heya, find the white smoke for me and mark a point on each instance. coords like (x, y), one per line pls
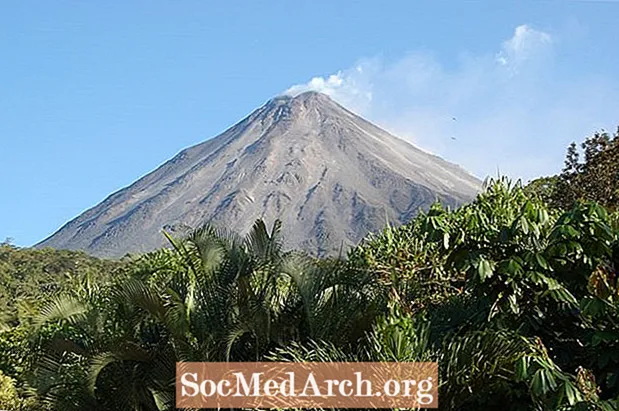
(349, 87)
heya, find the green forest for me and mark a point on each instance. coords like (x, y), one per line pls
(515, 295)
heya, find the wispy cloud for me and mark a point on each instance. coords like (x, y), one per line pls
(525, 45)
(505, 110)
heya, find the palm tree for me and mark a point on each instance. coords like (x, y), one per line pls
(213, 297)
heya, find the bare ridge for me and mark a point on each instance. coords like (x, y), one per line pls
(329, 175)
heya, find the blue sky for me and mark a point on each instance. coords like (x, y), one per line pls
(94, 95)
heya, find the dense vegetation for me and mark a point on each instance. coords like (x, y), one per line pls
(30, 278)
(28, 275)
(515, 298)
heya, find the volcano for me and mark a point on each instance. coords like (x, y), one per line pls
(329, 175)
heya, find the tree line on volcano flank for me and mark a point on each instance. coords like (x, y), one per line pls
(515, 295)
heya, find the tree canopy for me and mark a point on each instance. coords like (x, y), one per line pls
(590, 173)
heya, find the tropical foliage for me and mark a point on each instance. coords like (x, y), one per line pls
(516, 301)
(27, 276)
(30, 278)
(507, 275)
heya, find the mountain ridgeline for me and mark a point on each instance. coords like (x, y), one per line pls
(330, 176)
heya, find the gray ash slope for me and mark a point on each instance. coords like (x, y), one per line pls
(328, 174)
